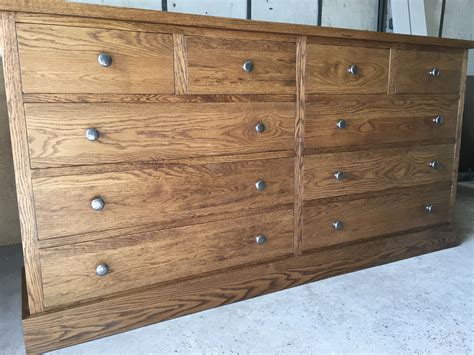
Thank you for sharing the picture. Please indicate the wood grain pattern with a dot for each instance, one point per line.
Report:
(79, 324)
(373, 216)
(142, 62)
(215, 65)
(375, 170)
(412, 68)
(180, 65)
(13, 89)
(377, 121)
(155, 257)
(327, 70)
(141, 132)
(150, 196)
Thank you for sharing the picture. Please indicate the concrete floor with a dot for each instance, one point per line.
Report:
(420, 305)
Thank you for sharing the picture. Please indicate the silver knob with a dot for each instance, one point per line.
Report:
(438, 120)
(341, 124)
(105, 59)
(429, 208)
(260, 185)
(434, 164)
(102, 270)
(92, 134)
(247, 66)
(434, 72)
(260, 239)
(339, 175)
(353, 70)
(98, 204)
(337, 225)
(260, 127)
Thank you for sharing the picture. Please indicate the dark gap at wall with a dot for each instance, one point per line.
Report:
(466, 159)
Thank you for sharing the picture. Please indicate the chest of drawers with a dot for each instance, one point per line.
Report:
(167, 164)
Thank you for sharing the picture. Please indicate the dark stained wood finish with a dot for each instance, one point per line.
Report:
(375, 170)
(142, 62)
(215, 65)
(141, 132)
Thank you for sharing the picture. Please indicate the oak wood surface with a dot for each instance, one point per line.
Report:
(180, 64)
(326, 70)
(215, 65)
(167, 193)
(140, 132)
(375, 170)
(142, 63)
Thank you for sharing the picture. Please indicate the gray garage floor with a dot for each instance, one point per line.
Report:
(420, 305)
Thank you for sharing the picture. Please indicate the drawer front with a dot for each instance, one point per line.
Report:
(141, 63)
(359, 122)
(69, 272)
(427, 72)
(345, 173)
(345, 221)
(216, 65)
(159, 197)
(346, 70)
(139, 132)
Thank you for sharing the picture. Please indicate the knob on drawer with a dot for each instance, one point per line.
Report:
(105, 59)
(429, 208)
(102, 270)
(434, 164)
(438, 120)
(337, 225)
(260, 185)
(260, 239)
(260, 127)
(339, 175)
(92, 134)
(435, 72)
(247, 66)
(98, 204)
(353, 69)
(341, 124)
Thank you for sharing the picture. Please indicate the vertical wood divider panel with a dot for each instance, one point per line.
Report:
(16, 113)
(391, 71)
(180, 65)
(299, 141)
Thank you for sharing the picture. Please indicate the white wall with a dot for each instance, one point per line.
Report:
(355, 14)
(289, 11)
(227, 8)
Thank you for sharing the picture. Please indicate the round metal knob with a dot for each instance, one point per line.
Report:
(260, 185)
(92, 134)
(429, 208)
(353, 70)
(247, 66)
(102, 270)
(434, 164)
(105, 59)
(341, 124)
(260, 239)
(438, 120)
(98, 204)
(339, 175)
(434, 72)
(260, 127)
(337, 225)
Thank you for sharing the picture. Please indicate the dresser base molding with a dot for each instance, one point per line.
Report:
(61, 328)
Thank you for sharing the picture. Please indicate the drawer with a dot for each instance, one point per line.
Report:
(336, 174)
(346, 70)
(427, 72)
(237, 66)
(69, 272)
(141, 63)
(158, 197)
(337, 123)
(57, 133)
(345, 221)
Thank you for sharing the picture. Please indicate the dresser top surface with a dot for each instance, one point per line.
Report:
(59, 7)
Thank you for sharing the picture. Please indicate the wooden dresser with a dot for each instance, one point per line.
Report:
(167, 163)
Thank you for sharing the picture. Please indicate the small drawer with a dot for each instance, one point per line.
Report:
(427, 72)
(336, 123)
(345, 221)
(84, 134)
(345, 173)
(236, 66)
(346, 70)
(158, 197)
(71, 60)
(98, 268)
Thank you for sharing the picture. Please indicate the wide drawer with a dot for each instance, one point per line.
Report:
(238, 66)
(336, 174)
(162, 196)
(69, 272)
(427, 72)
(61, 59)
(346, 70)
(332, 223)
(140, 132)
(337, 123)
